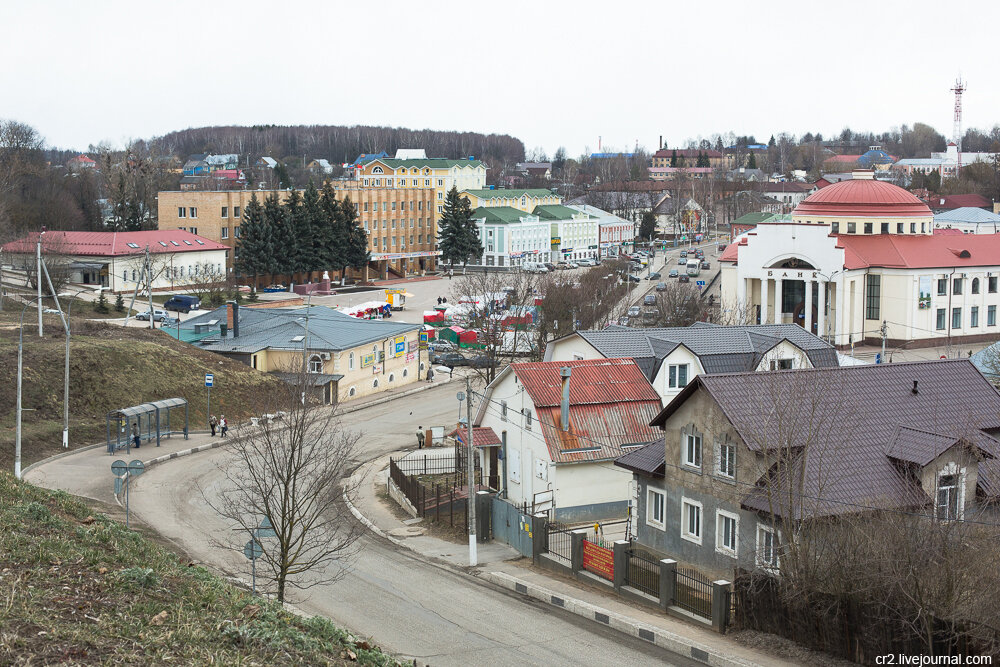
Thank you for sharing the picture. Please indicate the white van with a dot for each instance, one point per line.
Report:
(534, 267)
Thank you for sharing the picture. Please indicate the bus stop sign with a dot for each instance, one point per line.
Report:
(209, 379)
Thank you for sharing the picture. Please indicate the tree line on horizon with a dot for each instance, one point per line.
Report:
(308, 232)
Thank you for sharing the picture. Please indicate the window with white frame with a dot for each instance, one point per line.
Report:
(725, 459)
(656, 501)
(527, 419)
(350, 361)
(315, 364)
(949, 493)
(691, 445)
(727, 528)
(225, 232)
(677, 376)
(181, 212)
(767, 546)
(193, 212)
(691, 520)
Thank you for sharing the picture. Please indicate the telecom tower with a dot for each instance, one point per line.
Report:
(958, 90)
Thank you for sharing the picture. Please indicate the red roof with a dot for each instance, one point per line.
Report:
(843, 158)
(920, 251)
(81, 158)
(959, 201)
(730, 254)
(862, 197)
(593, 381)
(686, 152)
(482, 436)
(109, 244)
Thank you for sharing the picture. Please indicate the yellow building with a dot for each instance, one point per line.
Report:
(438, 173)
(346, 357)
(522, 200)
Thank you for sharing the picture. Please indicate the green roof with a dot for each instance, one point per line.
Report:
(494, 214)
(753, 218)
(432, 162)
(558, 212)
(513, 193)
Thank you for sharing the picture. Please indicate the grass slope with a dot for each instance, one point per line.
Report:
(77, 588)
(111, 367)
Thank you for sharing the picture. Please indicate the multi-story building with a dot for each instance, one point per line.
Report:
(574, 234)
(615, 235)
(521, 199)
(511, 237)
(440, 174)
(400, 222)
(663, 157)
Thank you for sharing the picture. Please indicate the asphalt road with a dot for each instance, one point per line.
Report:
(409, 605)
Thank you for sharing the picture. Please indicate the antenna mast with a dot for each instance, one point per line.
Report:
(958, 90)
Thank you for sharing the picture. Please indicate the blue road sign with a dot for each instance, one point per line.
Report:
(209, 379)
(699, 283)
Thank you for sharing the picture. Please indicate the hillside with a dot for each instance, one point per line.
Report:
(111, 367)
(338, 143)
(81, 589)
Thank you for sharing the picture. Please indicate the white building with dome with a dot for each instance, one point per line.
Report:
(859, 253)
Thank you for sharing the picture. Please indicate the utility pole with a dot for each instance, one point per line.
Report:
(884, 331)
(147, 266)
(470, 469)
(38, 278)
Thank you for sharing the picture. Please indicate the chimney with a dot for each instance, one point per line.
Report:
(564, 373)
(233, 317)
(914, 390)
(661, 142)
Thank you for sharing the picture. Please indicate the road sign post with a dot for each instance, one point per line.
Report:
(253, 551)
(209, 381)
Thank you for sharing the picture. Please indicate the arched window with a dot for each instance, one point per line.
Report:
(975, 285)
(352, 391)
(405, 373)
(350, 362)
(375, 383)
(377, 170)
(315, 364)
(391, 377)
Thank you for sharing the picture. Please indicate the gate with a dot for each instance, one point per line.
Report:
(512, 526)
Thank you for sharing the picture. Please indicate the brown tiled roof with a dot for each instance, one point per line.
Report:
(649, 460)
(842, 423)
(482, 436)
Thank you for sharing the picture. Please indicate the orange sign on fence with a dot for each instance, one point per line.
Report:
(599, 560)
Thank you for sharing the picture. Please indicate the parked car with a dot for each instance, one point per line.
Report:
(182, 303)
(158, 315)
(661, 287)
(481, 362)
(574, 265)
(706, 265)
(632, 278)
(634, 311)
(450, 359)
(562, 266)
(441, 346)
(649, 300)
(672, 274)
(683, 278)
(550, 266)
(655, 275)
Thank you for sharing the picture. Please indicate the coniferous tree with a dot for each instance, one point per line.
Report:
(254, 243)
(355, 243)
(752, 161)
(458, 234)
(281, 239)
(310, 230)
(293, 215)
(703, 160)
(673, 158)
(331, 239)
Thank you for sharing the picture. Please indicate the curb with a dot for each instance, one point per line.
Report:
(184, 452)
(387, 399)
(652, 634)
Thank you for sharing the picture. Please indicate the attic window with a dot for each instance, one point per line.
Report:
(132, 245)
(174, 243)
(186, 242)
(163, 243)
(581, 450)
(297, 339)
(199, 242)
(960, 253)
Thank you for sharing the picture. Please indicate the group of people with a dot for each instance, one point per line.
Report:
(220, 424)
(441, 300)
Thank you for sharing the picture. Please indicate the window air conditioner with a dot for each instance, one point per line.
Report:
(325, 356)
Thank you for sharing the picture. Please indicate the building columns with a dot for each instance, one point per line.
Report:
(777, 301)
(821, 310)
(763, 299)
(741, 293)
(808, 314)
(840, 321)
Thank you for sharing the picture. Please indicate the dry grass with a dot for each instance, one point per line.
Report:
(81, 589)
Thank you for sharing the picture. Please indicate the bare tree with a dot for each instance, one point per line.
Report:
(295, 473)
(679, 305)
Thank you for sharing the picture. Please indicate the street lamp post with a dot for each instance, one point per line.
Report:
(20, 375)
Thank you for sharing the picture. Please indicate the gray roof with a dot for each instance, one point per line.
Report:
(649, 460)
(968, 214)
(853, 431)
(275, 328)
(721, 349)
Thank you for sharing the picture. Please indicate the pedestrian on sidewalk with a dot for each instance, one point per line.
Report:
(420, 437)
(224, 424)
(451, 272)
(136, 439)
(212, 423)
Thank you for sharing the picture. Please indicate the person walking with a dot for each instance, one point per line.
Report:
(420, 437)
(451, 272)
(212, 423)
(136, 439)
(224, 424)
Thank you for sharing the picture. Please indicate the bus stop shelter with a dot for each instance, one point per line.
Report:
(152, 420)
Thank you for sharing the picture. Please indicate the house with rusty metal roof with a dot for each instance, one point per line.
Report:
(557, 429)
(671, 357)
(746, 455)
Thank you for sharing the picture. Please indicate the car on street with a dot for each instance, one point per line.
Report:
(682, 261)
(634, 311)
(441, 346)
(655, 275)
(672, 274)
(649, 300)
(683, 278)
(550, 266)
(661, 287)
(562, 266)
(632, 278)
(706, 265)
(684, 253)
(450, 359)
(158, 315)
(170, 321)
(585, 262)
(481, 362)
(182, 303)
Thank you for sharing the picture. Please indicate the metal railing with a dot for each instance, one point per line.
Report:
(559, 542)
(693, 591)
(643, 572)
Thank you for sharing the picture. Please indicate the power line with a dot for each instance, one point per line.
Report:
(819, 499)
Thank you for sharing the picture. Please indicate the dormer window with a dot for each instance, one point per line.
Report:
(947, 506)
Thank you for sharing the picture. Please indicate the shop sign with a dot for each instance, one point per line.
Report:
(367, 360)
(400, 346)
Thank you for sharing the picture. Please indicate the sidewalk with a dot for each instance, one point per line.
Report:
(499, 563)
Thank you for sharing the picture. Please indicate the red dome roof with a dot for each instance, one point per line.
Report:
(862, 198)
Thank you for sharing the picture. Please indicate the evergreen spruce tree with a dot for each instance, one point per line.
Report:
(673, 158)
(458, 234)
(274, 219)
(331, 241)
(752, 161)
(310, 230)
(703, 160)
(355, 240)
(254, 244)
(296, 253)
(119, 303)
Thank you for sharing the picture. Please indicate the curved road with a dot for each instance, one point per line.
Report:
(408, 605)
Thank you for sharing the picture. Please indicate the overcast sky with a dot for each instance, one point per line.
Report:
(550, 73)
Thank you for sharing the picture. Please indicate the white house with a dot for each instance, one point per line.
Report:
(615, 234)
(670, 358)
(560, 427)
(574, 234)
(116, 259)
(511, 237)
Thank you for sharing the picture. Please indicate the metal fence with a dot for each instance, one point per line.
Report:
(693, 591)
(559, 542)
(437, 496)
(643, 572)
(433, 461)
(604, 533)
